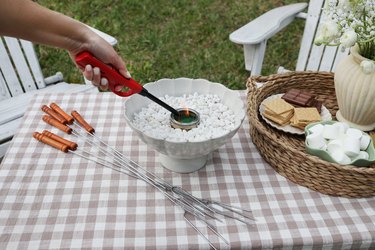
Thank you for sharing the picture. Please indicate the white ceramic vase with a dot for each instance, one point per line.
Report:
(355, 92)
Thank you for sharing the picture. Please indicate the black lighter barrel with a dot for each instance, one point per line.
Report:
(147, 94)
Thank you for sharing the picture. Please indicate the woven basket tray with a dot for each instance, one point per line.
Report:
(286, 152)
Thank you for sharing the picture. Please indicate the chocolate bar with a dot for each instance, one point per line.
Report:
(302, 98)
(299, 97)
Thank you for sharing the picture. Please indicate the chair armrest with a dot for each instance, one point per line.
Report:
(110, 39)
(266, 25)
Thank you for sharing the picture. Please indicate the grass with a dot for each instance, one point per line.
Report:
(170, 39)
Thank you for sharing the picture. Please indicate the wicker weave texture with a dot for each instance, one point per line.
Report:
(286, 152)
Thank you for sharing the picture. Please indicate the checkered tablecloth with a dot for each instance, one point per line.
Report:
(49, 199)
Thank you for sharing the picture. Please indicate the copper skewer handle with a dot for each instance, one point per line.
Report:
(62, 113)
(53, 114)
(72, 145)
(57, 124)
(45, 139)
(82, 121)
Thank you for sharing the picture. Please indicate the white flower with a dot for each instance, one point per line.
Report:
(344, 4)
(367, 66)
(329, 31)
(348, 39)
(319, 40)
(350, 22)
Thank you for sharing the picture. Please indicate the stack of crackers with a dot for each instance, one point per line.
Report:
(279, 111)
(304, 116)
(283, 113)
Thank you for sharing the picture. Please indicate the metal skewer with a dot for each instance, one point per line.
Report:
(180, 201)
(199, 231)
(202, 209)
(177, 201)
(188, 199)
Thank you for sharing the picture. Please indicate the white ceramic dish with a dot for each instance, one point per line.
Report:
(324, 114)
(185, 157)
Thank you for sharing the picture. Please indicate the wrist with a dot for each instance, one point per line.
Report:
(81, 40)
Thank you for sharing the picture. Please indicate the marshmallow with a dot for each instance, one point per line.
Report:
(334, 145)
(363, 155)
(353, 132)
(340, 157)
(330, 132)
(365, 141)
(342, 143)
(318, 128)
(351, 146)
(316, 140)
(341, 126)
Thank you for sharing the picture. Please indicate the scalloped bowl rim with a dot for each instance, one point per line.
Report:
(229, 134)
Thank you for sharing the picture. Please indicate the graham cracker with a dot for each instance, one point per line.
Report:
(302, 127)
(292, 119)
(306, 115)
(278, 106)
(284, 116)
(279, 121)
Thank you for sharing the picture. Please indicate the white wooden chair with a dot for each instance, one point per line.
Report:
(254, 35)
(21, 77)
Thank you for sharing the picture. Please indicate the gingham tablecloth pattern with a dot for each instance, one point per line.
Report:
(49, 199)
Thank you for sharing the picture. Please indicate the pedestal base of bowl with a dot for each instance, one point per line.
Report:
(368, 127)
(183, 165)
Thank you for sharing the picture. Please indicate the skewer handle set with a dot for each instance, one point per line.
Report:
(195, 209)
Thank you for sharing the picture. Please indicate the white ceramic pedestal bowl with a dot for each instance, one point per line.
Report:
(184, 157)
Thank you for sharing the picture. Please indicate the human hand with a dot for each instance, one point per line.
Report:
(104, 52)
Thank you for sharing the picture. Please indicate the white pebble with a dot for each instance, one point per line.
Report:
(216, 119)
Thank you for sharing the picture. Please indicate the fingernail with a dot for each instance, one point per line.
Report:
(88, 67)
(128, 74)
(103, 81)
(96, 71)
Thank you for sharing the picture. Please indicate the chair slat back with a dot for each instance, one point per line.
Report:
(4, 92)
(9, 74)
(33, 62)
(19, 62)
(311, 56)
(19, 68)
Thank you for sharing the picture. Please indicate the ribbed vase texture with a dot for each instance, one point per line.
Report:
(355, 90)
